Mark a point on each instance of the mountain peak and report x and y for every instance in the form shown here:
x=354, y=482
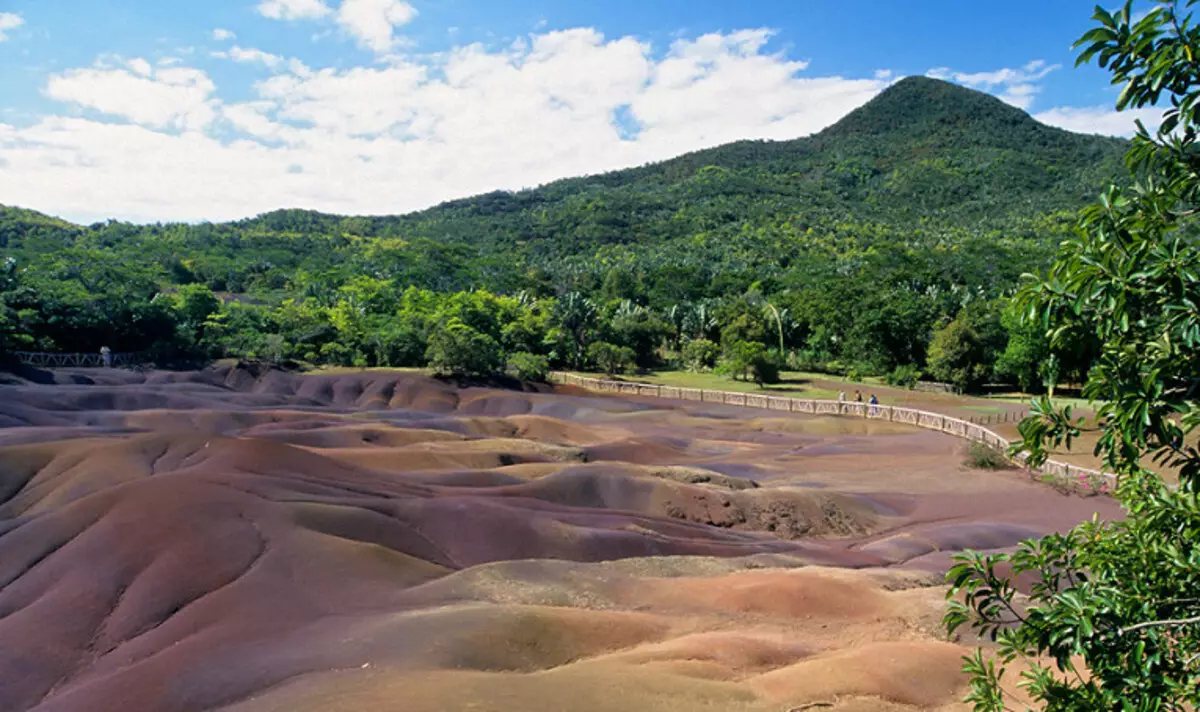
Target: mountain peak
x=927, y=105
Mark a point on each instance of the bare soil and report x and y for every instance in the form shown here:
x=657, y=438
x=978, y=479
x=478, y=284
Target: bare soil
x=255, y=540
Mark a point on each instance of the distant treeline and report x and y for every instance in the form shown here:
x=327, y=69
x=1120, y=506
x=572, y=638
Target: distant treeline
x=893, y=309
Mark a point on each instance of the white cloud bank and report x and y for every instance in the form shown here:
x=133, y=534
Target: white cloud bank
x=156, y=143
x=9, y=21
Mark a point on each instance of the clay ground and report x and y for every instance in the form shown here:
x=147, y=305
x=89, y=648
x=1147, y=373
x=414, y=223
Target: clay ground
x=1000, y=414
x=250, y=541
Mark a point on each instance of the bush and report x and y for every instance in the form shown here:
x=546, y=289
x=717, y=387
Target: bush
x=903, y=377
x=456, y=349
x=750, y=360
x=612, y=359
x=529, y=367
x=766, y=369
x=700, y=355
x=982, y=456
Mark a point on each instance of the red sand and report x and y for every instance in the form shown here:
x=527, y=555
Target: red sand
x=232, y=540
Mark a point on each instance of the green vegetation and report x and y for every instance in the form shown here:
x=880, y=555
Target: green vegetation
x=982, y=456
x=1111, y=621
x=843, y=253
x=529, y=367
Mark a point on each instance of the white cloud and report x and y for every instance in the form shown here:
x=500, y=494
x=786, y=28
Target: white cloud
x=241, y=54
x=9, y=21
x=407, y=134
x=222, y=35
x=140, y=66
x=293, y=9
x=373, y=22
x=1100, y=119
x=1018, y=87
x=166, y=98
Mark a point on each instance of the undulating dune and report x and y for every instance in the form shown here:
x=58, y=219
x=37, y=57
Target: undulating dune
x=252, y=541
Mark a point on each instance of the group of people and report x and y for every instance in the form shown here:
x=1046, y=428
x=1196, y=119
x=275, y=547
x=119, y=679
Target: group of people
x=858, y=398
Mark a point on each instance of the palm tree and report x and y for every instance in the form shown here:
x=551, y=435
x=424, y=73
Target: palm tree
x=575, y=314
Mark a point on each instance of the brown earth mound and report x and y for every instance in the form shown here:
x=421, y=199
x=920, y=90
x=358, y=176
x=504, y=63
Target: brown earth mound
x=234, y=539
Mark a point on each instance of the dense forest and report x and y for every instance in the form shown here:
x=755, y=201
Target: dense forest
x=888, y=244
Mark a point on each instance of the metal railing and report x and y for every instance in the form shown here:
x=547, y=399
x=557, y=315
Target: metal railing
x=45, y=359
x=895, y=414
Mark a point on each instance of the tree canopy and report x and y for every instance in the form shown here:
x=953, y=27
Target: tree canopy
x=1111, y=621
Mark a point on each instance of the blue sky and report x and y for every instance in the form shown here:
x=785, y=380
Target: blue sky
x=190, y=110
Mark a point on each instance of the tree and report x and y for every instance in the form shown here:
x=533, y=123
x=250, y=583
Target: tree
x=888, y=331
x=751, y=360
x=11, y=329
x=1027, y=349
x=194, y=305
x=639, y=329
x=529, y=367
x=575, y=315
x=956, y=355
x=456, y=349
x=610, y=358
x=700, y=355
x=1119, y=596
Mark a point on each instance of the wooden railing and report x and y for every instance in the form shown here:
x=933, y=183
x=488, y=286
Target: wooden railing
x=895, y=414
x=45, y=359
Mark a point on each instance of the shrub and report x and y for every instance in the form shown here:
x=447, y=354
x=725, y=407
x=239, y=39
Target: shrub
x=612, y=359
x=805, y=360
x=982, y=456
x=903, y=376
x=456, y=349
x=766, y=369
x=529, y=367
x=750, y=360
x=336, y=354
x=700, y=355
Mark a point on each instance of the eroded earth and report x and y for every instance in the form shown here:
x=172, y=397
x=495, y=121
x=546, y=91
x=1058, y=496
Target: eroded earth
x=252, y=541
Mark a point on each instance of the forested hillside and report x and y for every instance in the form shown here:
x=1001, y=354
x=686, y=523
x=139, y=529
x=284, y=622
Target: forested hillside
x=911, y=218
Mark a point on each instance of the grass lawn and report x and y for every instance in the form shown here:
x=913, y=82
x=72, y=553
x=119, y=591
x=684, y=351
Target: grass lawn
x=318, y=370
x=1081, y=404
x=819, y=386
x=793, y=384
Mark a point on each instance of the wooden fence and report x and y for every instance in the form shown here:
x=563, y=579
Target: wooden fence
x=44, y=359
x=894, y=414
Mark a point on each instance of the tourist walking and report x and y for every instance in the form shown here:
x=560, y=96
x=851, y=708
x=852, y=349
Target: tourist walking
x=874, y=405
x=106, y=356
